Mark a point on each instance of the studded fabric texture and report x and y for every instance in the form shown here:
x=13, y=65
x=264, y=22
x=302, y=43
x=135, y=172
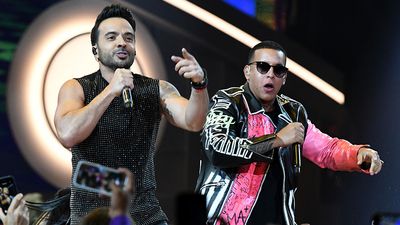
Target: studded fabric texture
x=124, y=137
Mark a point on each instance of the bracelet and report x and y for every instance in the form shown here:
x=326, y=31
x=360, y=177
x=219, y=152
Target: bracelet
x=202, y=84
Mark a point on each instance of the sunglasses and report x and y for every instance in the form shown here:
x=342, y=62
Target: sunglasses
x=263, y=68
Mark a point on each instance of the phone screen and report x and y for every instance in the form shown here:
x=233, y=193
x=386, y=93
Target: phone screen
x=386, y=219
x=97, y=178
x=8, y=190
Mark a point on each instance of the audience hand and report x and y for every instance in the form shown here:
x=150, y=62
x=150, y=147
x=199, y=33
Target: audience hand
x=17, y=213
x=120, y=198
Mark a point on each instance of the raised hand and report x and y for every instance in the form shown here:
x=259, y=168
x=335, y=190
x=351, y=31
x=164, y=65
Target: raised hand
x=188, y=67
x=120, y=198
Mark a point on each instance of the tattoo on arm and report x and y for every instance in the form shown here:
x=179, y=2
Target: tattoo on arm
x=262, y=147
x=167, y=90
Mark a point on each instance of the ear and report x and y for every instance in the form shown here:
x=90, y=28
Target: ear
x=246, y=71
x=284, y=80
x=95, y=52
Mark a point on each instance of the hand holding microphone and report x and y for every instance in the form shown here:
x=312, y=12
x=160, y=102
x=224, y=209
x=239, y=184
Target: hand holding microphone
x=292, y=134
x=124, y=77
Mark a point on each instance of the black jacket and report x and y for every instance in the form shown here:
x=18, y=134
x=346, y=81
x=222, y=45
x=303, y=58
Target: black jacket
x=225, y=147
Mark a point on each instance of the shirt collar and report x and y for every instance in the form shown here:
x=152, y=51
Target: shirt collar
x=255, y=106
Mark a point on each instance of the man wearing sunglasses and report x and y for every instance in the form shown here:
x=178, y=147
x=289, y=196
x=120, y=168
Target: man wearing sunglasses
x=253, y=140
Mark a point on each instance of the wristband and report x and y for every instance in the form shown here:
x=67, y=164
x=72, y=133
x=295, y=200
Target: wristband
x=202, y=84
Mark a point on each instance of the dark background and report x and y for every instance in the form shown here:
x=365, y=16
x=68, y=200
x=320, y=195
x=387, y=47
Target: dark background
x=354, y=44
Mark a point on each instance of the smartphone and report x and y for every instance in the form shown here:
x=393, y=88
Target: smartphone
x=386, y=219
x=97, y=178
x=8, y=190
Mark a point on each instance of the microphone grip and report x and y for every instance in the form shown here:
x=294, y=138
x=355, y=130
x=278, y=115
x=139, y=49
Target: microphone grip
x=127, y=97
x=297, y=158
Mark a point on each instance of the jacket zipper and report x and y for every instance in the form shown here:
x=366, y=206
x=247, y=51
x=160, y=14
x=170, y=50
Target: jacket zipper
x=213, y=184
x=288, y=217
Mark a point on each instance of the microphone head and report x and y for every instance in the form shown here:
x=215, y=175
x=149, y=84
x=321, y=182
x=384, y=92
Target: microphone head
x=127, y=97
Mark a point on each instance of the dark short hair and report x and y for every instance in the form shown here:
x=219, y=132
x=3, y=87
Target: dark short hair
x=110, y=12
x=265, y=44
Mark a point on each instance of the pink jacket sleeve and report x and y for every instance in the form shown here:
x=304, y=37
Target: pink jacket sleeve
x=328, y=152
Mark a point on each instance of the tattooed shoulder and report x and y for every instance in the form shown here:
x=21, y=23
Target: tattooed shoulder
x=167, y=90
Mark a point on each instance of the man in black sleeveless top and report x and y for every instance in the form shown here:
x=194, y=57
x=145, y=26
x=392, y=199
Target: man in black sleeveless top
x=92, y=120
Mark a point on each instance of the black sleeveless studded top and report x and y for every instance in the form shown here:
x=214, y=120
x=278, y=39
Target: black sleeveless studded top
x=123, y=137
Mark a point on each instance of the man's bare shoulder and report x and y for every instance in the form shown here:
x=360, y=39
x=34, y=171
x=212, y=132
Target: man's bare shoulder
x=72, y=83
x=71, y=89
x=167, y=90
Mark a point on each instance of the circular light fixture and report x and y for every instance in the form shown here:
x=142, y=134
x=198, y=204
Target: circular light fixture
x=55, y=48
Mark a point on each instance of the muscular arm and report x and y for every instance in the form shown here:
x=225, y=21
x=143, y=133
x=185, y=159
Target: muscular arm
x=74, y=121
x=187, y=114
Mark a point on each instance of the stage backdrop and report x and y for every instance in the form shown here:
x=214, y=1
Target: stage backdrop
x=364, y=50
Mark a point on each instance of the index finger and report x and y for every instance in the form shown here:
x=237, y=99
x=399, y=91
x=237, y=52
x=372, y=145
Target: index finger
x=375, y=167
x=176, y=59
x=15, y=202
x=186, y=54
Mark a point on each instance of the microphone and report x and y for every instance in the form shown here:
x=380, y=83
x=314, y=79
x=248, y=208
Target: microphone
x=297, y=158
x=127, y=97
x=301, y=117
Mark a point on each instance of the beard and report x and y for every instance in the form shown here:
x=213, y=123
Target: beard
x=108, y=60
